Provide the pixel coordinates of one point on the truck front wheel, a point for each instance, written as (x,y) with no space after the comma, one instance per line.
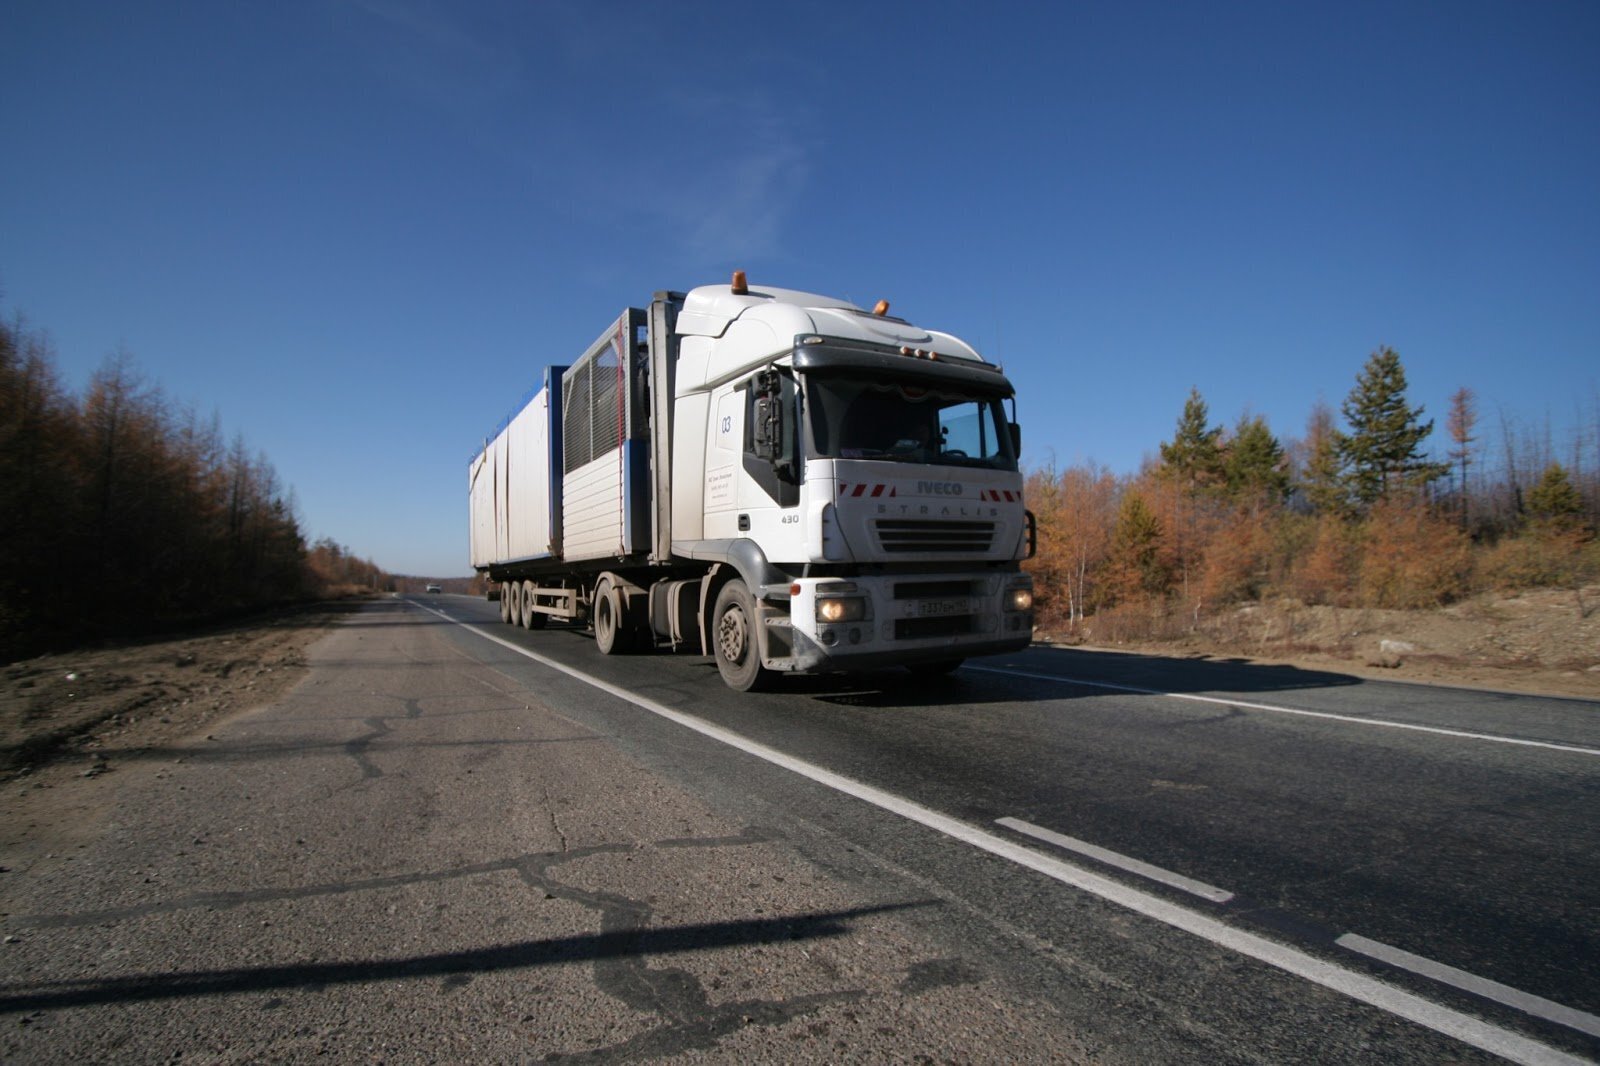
(733,638)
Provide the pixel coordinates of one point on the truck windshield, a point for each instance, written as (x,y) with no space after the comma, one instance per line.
(904,421)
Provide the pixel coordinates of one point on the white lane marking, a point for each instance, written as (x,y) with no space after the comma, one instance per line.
(1525,1002)
(1226,702)
(1122,862)
(1453,1023)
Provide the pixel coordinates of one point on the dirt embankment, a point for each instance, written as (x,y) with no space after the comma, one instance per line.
(151,693)
(1544,641)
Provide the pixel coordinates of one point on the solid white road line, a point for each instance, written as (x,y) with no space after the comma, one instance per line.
(1449,975)
(1463,1027)
(1117,859)
(1226,702)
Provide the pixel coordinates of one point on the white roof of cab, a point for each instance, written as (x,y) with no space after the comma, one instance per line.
(709,310)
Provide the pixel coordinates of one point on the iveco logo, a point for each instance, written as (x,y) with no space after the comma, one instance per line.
(939,488)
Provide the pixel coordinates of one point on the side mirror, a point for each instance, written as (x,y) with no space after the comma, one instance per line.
(768,433)
(1016,438)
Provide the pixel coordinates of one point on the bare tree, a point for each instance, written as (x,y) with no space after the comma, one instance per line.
(1460,422)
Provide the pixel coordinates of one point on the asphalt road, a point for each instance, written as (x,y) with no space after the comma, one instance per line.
(538,851)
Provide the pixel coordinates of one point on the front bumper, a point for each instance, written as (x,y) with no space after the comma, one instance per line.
(814,659)
(904,619)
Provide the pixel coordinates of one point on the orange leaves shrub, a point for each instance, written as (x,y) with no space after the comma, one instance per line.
(1235,558)
(1324,573)
(1075,511)
(1411,558)
(1539,559)
(1133,558)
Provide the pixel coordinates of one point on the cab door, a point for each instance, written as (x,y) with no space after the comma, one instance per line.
(724,454)
(769,488)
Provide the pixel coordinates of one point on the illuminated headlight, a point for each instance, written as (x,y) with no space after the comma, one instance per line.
(831,609)
(1019,600)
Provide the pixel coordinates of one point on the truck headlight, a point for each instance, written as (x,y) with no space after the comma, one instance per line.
(841,609)
(1019,600)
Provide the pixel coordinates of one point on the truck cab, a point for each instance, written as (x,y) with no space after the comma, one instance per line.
(861,476)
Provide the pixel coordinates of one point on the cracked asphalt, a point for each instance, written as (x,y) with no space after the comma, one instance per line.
(412,857)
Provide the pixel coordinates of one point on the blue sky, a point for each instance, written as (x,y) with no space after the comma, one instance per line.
(358,230)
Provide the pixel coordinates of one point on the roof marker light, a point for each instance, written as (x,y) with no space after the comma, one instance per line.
(740,287)
(881,309)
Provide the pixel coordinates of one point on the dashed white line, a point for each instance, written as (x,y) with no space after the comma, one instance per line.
(1228,702)
(1525,1002)
(1516,999)
(1120,861)
(1453,1023)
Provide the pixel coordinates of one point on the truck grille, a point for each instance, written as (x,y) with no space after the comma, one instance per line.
(903,535)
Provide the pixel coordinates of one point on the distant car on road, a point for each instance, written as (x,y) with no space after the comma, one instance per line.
(435,588)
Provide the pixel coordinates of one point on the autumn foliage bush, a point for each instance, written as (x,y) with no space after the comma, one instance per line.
(1325,572)
(1542,559)
(1402,554)
(1409,558)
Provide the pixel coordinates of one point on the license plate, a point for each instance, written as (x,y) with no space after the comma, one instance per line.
(940,608)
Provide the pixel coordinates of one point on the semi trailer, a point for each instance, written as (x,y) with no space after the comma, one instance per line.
(783,481)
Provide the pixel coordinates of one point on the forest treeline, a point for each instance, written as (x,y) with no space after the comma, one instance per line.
(1359,511)
(123,512)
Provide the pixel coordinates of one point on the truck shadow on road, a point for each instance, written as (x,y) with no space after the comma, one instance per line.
(1040,674)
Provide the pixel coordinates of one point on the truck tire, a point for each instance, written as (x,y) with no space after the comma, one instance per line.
(506,599)
(733,639)
(612,635)
(524,611)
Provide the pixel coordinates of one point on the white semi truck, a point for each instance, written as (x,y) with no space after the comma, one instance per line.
(780,480)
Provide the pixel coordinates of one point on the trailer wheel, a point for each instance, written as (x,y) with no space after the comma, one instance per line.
(523,612)
(505,606)
(733,638)
(611,633)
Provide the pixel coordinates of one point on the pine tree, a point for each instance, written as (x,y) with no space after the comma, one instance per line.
(1194,455)
(1254,463)
(1554,503)
(1135,558)
(1384,446)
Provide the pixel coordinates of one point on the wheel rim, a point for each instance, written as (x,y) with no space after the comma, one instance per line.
(733,634)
